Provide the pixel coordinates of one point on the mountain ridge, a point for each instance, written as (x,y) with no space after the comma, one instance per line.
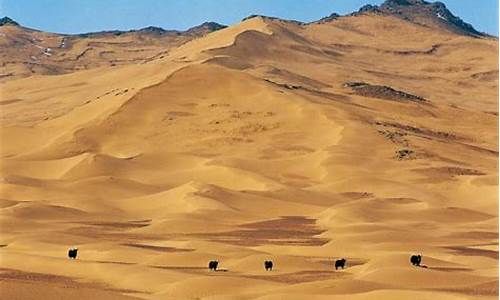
(415,10)
(40,52)
(409,10)
(368,137)
(208,26)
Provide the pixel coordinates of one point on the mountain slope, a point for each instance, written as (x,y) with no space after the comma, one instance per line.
(366,137)
(428,14)
(26,51)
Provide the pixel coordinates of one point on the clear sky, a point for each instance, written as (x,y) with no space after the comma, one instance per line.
(78,16)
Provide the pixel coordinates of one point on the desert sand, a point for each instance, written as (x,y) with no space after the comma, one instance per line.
(366,137)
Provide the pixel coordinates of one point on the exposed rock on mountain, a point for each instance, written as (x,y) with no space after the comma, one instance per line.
(243,144)
(8,21)
(431,14)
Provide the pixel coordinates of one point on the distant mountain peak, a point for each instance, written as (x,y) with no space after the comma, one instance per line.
(431,14)
(258,16)
(388,3)
(205,28)
(153,29)
(8,21)
(368,8)
(201,29)
(211,26)
(329,18)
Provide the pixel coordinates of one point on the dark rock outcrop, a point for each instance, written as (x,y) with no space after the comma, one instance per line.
(199,30)
(405,154)
(368,8)
(429,14)
(205,28)
(382,92)
(152,29)
(329,18)
(8,21)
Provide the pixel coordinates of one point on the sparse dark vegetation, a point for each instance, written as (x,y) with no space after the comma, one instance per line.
(382,92)
(405,154)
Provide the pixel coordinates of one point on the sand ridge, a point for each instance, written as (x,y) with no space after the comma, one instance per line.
(248,144)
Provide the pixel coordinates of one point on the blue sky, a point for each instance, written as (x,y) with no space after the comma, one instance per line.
(78,16)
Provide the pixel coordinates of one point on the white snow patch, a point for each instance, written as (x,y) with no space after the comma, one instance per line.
(441,17)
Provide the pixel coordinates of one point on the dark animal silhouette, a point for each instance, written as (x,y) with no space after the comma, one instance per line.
(268,264)
(72,252)
(212,265)
(416,260)
(340,263)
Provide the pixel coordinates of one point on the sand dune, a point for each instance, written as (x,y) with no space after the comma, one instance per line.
(365,137)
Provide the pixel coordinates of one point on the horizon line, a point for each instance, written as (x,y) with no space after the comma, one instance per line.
(202,23)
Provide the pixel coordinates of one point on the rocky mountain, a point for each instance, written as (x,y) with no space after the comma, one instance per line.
(8,21)
(331,17)
(205,28)
(29,51)
(26,51)
(429,14)
(196,31)
(368,137)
